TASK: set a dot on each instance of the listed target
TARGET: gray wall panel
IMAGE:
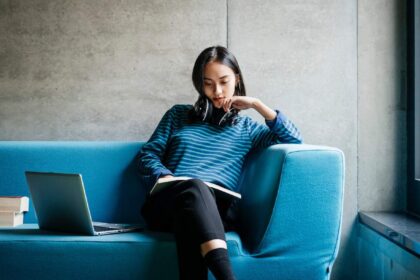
(301, 57)
(106, 70)
(382, 106)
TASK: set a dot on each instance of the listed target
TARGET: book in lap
(163, 183)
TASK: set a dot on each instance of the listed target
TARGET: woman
(209, 142)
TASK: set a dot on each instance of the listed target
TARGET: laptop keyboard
(99, 228)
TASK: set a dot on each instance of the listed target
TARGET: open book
(163, 183)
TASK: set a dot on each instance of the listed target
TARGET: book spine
(18, 219)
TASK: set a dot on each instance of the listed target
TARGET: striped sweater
(206, 151)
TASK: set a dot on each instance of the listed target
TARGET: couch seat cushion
(27, 251)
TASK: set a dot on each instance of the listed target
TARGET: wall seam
(357, 250)
(227, 23)
(357, 105)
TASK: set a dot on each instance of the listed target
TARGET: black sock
(218, 262)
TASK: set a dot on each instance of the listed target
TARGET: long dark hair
(223, 56)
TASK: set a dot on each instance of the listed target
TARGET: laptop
(61, 205)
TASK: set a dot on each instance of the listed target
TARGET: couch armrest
(292, 201)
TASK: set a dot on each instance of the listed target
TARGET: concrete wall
(382, 146)
(108, 70)
(99, 70)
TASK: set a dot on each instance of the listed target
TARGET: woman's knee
(197, 187)
(194, 182)
(195, 191)
(204, 191)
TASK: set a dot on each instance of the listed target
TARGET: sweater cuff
(280, 118)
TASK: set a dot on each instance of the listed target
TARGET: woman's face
(219, 82)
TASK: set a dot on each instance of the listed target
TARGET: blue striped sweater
(206, 151)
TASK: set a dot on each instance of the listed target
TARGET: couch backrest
(108, 169)
(259, 186)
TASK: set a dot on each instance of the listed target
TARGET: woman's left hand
(239, 102)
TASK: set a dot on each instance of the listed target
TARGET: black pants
(193, 212)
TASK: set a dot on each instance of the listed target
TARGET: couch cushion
(133, 255)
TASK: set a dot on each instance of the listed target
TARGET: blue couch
(290, 215)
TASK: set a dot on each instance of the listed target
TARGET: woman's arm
(150, 164)
(265, 111)
(278, 128)
(246, 102)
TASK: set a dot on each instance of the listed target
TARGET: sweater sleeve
(279, 130)
(150, 157)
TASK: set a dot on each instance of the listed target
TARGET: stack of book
(12, 209)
